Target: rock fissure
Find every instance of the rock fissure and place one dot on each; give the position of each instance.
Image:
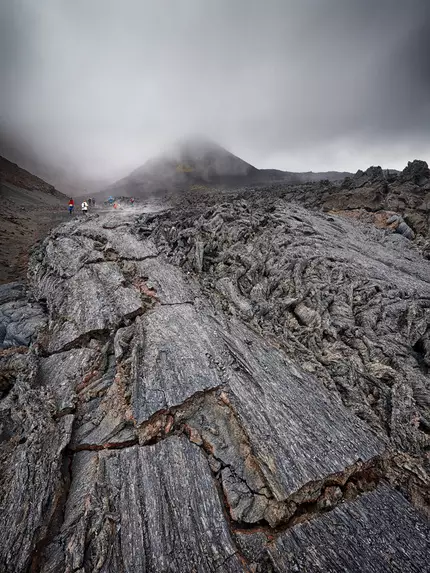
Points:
(102, 335)
(191, 302)
(236, 375)
(57, 518)
(107, 446)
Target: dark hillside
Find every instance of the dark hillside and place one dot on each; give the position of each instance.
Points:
(29, 208)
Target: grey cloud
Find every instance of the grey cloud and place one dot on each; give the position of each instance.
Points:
(98, 86)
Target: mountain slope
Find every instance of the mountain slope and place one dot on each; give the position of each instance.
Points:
(198, 162)
(187, 163)
(63, 177)
(29, 207)
(11, 173)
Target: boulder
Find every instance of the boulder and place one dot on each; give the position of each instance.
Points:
(417, 172)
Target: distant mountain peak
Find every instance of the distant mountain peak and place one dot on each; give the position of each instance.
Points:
(197, 147)
(198, 160)
(192, 157)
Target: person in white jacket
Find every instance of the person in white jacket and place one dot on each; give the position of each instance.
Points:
(84, 207)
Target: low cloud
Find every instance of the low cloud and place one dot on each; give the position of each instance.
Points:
(98, 86)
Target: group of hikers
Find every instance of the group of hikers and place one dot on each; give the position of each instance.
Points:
(84, 206)
(115, 203)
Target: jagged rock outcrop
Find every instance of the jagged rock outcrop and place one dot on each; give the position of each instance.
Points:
(362, 178)
(407, 194)
(230, 385)
(416, 172)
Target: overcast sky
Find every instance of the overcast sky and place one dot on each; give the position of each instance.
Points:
(98, 86)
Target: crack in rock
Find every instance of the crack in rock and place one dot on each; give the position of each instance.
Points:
(242, 385)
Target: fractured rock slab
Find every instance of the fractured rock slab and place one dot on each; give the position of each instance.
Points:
(63, 372)
(380, 532)
(167, 280)
(95, 299)
(120, 239)
(298, 433)
(232, 434)
(173, 360)
(32, 444)
(153, 508)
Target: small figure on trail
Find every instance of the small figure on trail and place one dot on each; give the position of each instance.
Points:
(89, 202)
(84, 207)
(94, 202)
(71, 205)
(132, 201)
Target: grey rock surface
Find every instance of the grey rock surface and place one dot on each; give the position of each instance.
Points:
(298, 434)
(407, 193)
(20, 319)
(342, 300)
(170, 524)
(95, 300)
(32, 478)
(172, 360)
(228, 386)
(381, 516)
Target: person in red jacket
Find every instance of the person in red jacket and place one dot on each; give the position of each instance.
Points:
(71, 205)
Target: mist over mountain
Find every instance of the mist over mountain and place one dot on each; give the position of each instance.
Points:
(98, 87)
(196, 162)
(61, 175)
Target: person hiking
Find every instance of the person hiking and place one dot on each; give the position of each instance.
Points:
(84, 207)
(71, 205)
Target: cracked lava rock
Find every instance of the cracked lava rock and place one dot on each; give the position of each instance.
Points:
(240, 384)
